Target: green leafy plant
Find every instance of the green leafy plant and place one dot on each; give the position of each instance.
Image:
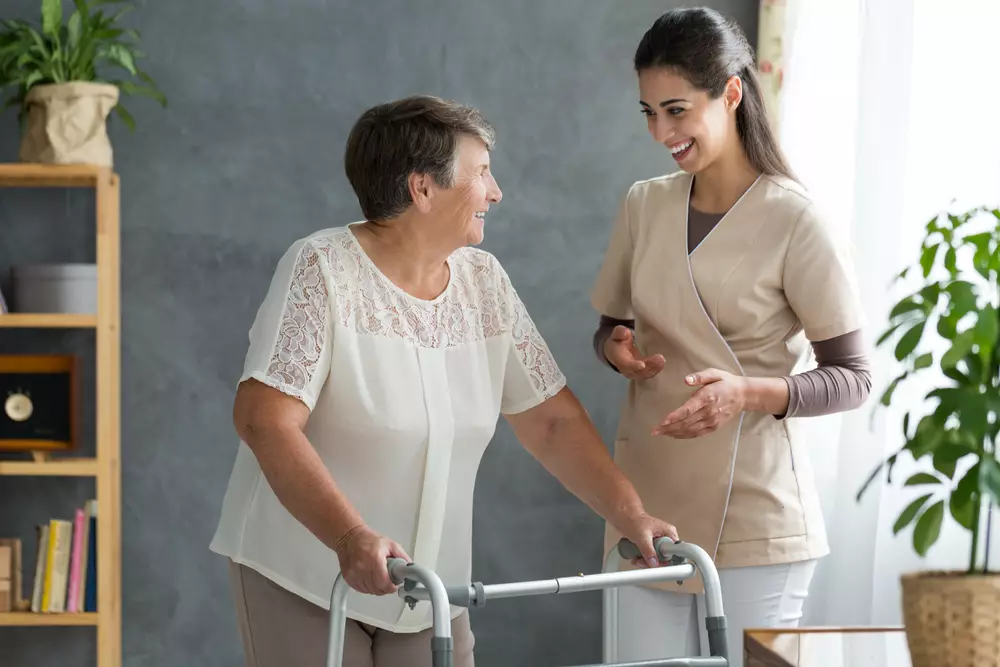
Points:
(77, 50)
(961, 307)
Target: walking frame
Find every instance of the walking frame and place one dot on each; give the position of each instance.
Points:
(679, 561)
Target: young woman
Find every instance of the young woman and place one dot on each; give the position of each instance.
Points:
(716, 280)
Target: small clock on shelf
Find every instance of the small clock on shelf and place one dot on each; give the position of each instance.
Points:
(38, 402)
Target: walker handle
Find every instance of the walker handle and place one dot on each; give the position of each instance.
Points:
(395, 567)
(629, 550)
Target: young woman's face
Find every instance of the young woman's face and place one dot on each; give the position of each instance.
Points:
(694, 127)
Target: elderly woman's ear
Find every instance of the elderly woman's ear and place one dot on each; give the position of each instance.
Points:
(421, 191)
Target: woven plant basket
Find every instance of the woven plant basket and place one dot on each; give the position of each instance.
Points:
(952, 619)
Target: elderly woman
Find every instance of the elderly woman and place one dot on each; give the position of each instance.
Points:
(379, 362)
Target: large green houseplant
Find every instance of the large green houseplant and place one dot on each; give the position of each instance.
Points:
(950, 323)
(65, 77)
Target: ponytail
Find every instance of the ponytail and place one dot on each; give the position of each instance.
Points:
(754, 129)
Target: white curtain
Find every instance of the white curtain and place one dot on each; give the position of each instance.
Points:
(889, 112)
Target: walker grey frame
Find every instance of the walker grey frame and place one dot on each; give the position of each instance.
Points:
(680, 560)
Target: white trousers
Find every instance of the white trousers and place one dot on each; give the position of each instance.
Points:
(663, 624)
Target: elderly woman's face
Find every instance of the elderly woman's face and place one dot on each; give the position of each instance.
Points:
(463, 206)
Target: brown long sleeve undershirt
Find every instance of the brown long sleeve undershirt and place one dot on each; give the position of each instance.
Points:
(841, 381)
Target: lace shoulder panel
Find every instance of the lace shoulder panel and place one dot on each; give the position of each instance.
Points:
(302, 332)
(531, 348)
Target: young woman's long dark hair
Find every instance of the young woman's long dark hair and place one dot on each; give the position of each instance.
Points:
(708, 48)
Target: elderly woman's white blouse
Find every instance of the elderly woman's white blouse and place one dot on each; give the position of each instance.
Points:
(404, 397)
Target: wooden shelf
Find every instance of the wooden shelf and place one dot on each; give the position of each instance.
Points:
(48, 320)
(51, 468)
(26, 175)
(105, 467)
(25, 618)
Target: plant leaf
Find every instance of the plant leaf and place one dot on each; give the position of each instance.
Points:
(932, 225)
(949, 261)
(33, 78)
(953, 373)
(928, 528)
(925, 439)
(888, 332)
(930, 294)
(75, 29)
(959, 348)
(989, 478)
(51, 16)
(122, 56)
(962, 501)
(946, 458)
(982, 256)
(887, 395)
(906, 305)
(927, 257)
(973, 413)
(922, 478)
(133, 89)
(963, 297)
(910, 513)
(985, 332)
(909, 341)
(923, 361)
(126, 117)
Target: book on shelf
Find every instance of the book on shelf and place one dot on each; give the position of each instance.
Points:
(6, 577)
(65, 577)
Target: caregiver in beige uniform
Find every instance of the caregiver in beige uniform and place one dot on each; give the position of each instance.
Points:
(716, 280)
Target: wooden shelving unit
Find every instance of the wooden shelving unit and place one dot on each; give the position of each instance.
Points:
(45, 320)
(49, 620)
(105, 467)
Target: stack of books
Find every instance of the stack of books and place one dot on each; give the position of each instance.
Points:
(65, 578)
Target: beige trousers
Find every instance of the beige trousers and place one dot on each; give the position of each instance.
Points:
(281, 629)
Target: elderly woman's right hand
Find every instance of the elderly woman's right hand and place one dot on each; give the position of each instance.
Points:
(621, 352)
(363, 556)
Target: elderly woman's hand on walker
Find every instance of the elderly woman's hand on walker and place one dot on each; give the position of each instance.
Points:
(363, 555)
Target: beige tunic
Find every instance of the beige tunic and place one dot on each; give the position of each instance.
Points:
(769, 278)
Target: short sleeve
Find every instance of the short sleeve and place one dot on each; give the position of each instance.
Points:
(531, 374)
(612, 291)
(290, 339)
(819, 279)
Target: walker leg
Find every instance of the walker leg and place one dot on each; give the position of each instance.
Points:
(718, 644)
(442, 643)
(609, 646)
(338, 622)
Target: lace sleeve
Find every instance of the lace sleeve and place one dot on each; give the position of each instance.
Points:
(532, 375)
(288, 341)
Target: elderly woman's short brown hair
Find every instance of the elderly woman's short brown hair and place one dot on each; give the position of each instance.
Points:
(412, 135)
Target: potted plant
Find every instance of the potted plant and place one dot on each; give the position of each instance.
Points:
(54, 75)
(950, 323)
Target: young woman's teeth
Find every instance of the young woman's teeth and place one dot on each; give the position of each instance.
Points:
(683, 147)
(481, 215)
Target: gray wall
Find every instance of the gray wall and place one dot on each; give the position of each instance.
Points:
(248, 158)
